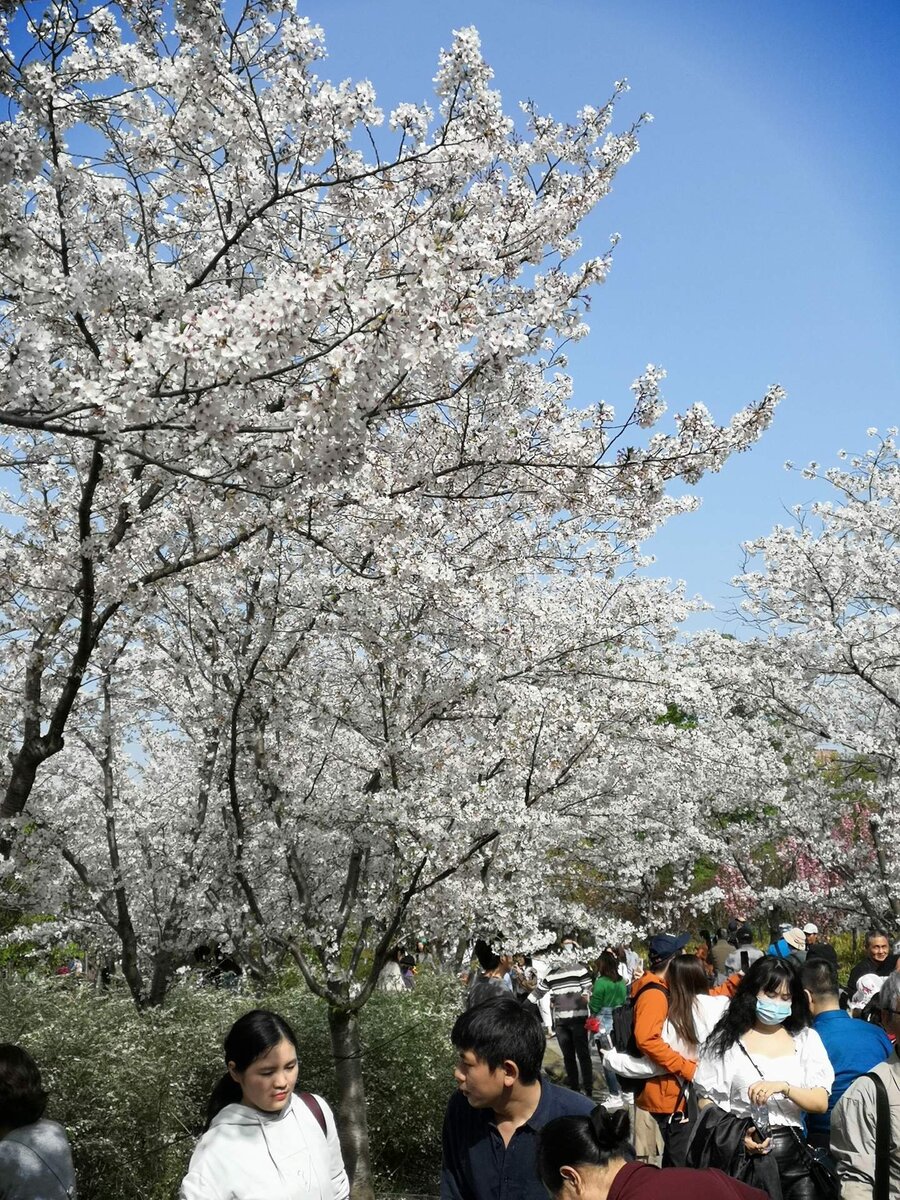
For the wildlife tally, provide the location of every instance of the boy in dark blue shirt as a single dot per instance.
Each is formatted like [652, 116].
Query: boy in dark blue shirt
[492, 1122]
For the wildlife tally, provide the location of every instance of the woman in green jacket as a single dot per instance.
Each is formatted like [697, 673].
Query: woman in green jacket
[609, 992]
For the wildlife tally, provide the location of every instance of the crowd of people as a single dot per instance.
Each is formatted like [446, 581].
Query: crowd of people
[756, 1068]
[727, 1072]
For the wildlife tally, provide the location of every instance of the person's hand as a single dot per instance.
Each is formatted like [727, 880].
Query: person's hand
[762, 1092]
[752, 1146]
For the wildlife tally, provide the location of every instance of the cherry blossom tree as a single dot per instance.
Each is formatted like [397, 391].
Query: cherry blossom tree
[347, 758]
[122, 837]
[308, 549]
[224, 307]
[826, 675]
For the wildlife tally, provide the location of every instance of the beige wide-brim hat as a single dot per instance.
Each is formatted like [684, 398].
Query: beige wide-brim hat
[796, 939]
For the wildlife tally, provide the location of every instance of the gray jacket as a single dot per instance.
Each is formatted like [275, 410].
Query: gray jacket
[853, 1133]
[36, 1163]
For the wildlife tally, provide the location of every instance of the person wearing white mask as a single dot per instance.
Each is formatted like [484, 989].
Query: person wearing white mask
[764, 1056]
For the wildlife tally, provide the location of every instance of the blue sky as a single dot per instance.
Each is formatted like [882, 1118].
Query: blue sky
[760, 231]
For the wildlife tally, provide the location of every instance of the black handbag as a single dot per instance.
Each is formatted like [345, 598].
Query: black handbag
[821, 1172]
[717, 1140]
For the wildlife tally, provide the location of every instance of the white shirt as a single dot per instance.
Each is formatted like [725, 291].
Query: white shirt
[250, 1155]
[725, 1079]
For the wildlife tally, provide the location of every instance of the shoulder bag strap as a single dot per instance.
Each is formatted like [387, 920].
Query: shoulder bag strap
[776, 1099]
[649, 987]
[685, 1096]
[882, 1138]
[806, 1155]
[747, 1055]
[316, 1109]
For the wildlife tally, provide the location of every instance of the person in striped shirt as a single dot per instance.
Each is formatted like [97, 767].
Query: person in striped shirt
[569, 983]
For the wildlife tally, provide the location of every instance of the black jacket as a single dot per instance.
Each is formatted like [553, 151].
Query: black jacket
[718, 1141]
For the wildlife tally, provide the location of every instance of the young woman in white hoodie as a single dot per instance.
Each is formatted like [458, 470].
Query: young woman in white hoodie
[263, 1139]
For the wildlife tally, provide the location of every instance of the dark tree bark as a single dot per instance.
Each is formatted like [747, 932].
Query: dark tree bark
[353, 1122]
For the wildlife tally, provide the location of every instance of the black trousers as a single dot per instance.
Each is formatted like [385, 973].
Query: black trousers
[676, 1131]
[796, 1181]
[576, 1051]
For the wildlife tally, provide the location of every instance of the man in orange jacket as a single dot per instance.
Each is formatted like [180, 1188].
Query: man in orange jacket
[660, 1094]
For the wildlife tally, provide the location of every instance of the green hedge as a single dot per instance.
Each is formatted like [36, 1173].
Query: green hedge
[131, 1087]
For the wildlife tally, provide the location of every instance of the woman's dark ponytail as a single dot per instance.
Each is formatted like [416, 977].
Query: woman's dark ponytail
[581, 1141]
[227, 1091]
[250, 1037]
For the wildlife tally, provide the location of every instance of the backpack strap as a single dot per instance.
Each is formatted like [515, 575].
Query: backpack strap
[650, 987]
[882, 1138]
[316, 1109]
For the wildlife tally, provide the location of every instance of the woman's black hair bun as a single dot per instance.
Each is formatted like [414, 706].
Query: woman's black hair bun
[611, 1128]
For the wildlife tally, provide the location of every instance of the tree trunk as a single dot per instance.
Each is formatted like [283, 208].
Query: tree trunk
[776, 918]
[352, 1120]
[130, 967]
[159, 980]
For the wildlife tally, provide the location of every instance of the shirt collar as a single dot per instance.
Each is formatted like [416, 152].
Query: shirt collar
[547, 1106]
[541, 1115]
[625, 1173]
[831, 1014]
[544, 1111]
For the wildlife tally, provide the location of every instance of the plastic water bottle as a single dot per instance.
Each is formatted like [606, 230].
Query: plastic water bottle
[760, 1116]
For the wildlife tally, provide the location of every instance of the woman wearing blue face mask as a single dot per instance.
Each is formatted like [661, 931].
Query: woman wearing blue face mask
[764, 1062]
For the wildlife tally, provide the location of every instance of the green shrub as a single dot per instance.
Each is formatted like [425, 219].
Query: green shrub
[131, 1088]
[847, 957]
[409, 1078]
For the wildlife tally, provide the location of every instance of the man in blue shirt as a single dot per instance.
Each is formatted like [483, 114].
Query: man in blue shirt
[492, 1121]
[779, 947]
[853, 1047]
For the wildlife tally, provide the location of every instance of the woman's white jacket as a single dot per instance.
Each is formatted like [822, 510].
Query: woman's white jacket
[707, 1011]
[250, 1155]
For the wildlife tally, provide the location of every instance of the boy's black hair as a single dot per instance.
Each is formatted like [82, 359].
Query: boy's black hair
[499, 1029]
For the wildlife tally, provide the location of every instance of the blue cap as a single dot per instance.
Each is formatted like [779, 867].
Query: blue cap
[664, 945]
